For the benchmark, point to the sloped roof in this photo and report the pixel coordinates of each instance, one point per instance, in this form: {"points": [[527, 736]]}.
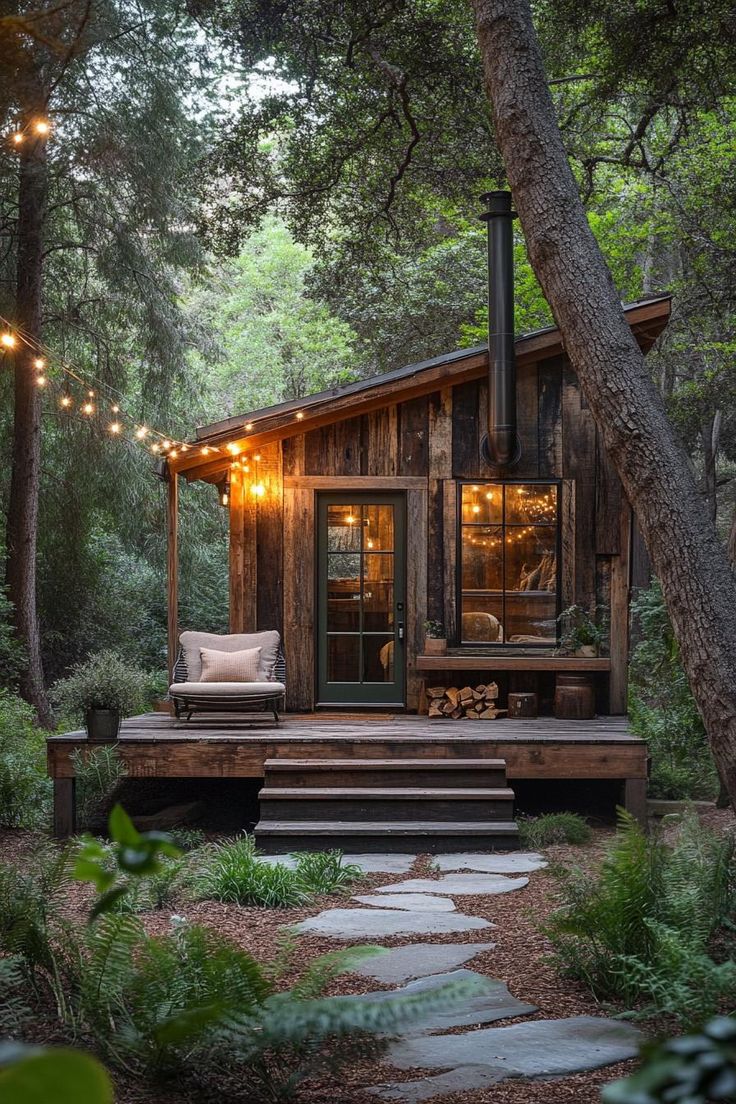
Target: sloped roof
{"points": [[647, 318]]}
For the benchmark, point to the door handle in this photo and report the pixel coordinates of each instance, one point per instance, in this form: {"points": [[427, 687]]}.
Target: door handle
{"points": [[401, 630]]}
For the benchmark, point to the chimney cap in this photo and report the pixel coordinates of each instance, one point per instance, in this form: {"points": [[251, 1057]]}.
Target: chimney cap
{"points": [[498, 204]]}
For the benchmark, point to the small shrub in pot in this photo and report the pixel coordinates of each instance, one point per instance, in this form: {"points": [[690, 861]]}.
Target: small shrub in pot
{"points": [[101, 692], [435, 642]]}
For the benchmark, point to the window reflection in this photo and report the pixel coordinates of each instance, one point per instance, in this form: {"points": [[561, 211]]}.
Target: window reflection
{"points": [[509, 570]]}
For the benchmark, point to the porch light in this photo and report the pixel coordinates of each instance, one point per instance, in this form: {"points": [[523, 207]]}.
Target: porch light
{"points": [[224, 490]]}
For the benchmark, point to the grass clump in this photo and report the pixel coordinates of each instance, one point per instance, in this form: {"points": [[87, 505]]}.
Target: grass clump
{"points": [[233, 872], [642, 930], [542, 831], [25, 789]]}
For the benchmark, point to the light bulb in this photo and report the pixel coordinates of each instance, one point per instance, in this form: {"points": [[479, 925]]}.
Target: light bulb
{"points": [[258, 489], [205, 451], [173, 454], [41, 381], [115, 408], [233, 448], [39, 363], [155, 448], [476, 509], [18, 137], [248, 426], [42, 126], [350, 519], [141, 432], [299, 415], [185, 448], [88, 408], [65, 400], [115, 427], [257, 458], [7, 340], [166, 444]]}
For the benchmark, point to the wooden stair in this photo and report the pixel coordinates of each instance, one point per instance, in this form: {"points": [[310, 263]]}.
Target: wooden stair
{"points": [[398, 804]]}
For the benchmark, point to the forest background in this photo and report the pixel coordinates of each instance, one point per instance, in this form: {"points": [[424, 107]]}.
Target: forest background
{"points": [[246, 203]]}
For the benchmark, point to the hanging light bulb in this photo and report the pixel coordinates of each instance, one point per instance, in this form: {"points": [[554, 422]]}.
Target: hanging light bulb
{"points": [[41, 381], [233, 448], [115, 408], [42, 127], [155, 447], [65, 400], [166, 444], [248, 426], [7, 340], [141, 432], [88, 408], [224, 489], [115, 427], [205, 451], [258, 489], [299, 415], [39, 363], [18, 137]]}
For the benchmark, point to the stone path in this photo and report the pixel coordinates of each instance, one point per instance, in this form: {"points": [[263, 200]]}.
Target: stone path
{"points": [[484, 1055]]}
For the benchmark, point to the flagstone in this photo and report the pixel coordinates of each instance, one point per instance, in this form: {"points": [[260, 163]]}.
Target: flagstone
{"points": [[419, 902], [473, 884], [417, 960], [518, 862], [372, 923]]}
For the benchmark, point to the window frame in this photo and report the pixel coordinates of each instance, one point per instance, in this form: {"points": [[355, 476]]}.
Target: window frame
{"points": [[504, 645]]}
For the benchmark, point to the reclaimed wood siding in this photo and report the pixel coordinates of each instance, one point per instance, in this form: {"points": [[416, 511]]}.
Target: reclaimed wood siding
{"points": [[427, 445]]}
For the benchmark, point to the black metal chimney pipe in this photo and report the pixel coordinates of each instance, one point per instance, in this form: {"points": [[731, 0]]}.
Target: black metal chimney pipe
{"points": [[500, 447]]}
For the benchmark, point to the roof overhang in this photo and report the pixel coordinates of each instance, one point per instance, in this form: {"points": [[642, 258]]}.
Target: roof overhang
{"points": [[210, 454]]}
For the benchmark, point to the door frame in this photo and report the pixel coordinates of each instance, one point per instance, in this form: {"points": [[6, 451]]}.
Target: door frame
{"points": [[347, 494]]}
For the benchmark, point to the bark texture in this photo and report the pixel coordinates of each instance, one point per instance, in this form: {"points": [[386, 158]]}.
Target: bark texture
{"points": [[22, 520], [697, 581]]}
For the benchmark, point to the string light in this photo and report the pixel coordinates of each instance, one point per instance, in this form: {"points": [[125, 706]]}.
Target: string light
{"points": [[7, 340], [115, 427], [206, 451], [65, 400], [248, 426], [233, 448], [18, 137], [88, 408], [41, 381], [115, 408], [42, 127], [258, 489], [299, 415], [141, 432], [39, 363]]}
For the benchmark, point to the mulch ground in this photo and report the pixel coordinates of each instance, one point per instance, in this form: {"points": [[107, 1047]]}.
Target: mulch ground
{"points": [[521, 958]]}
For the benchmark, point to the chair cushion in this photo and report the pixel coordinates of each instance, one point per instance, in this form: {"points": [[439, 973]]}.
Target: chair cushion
{"points": [[192, 643], [230, 666], [227, 689]]}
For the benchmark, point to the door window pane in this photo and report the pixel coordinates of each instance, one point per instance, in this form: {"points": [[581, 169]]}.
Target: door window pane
{"points": [[378, 528], [343, 592], [343, 658], [378, 592], [378, 658], [344, 525]]}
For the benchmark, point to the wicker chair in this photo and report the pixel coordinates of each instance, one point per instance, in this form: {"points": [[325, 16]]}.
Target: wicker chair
{"points": [[227, 697]]}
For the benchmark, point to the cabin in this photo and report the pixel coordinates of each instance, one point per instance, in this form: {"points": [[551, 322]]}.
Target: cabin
{"points": [[471, 489]]}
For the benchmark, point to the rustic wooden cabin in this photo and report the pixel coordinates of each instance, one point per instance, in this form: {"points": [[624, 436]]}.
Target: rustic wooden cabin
{"points": [[471, 489]]}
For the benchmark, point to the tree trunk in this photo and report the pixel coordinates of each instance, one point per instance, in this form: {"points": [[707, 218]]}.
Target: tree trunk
{"points": [[710, 436], [22, 521], [699, 587]]}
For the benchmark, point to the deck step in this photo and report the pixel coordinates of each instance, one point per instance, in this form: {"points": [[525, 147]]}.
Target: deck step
{"points": [[385, 804], [309, 773], [423, 837]]}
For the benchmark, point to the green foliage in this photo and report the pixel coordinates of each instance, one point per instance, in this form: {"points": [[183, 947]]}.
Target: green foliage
{"points": [[662, 708], [579, 629], [551, 828], [25, 789], [233, 872], [692, 1069], [106, 681], [35, 1075], [97, 770], [12, 655], [189, 1004], [640, 930], [434, 629]]}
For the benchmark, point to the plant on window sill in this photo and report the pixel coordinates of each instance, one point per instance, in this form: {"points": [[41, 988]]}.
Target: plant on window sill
{"points": [[435, 641], [582, 634]]}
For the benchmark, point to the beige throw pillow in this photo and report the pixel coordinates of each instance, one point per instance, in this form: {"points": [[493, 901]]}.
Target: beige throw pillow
{"points": [[230, 666]]}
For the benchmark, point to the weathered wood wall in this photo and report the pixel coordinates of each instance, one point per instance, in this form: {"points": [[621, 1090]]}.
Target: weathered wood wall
{"points": [[425, 446]]}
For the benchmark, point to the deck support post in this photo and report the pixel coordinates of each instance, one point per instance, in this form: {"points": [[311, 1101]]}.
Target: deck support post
{"points": [[172, 569], [635, 799], [65, 807]]}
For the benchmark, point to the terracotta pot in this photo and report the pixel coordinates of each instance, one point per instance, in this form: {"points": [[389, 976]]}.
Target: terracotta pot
{"points": [[574, 698], [587, 651], [103, 725], [435, 645]]}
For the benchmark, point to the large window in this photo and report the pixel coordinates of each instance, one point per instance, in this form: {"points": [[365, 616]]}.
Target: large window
{"points": [[509, 563]]}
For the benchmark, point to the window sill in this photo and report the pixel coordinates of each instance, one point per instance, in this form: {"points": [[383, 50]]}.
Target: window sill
{"points": [[459, 659]]}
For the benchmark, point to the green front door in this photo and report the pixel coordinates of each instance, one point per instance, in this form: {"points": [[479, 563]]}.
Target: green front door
{"points": [[361, 565]]}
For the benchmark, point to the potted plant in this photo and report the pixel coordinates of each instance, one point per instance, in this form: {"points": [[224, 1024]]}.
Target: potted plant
{"points": [[435, 641], [581, 635], [101, 692]]}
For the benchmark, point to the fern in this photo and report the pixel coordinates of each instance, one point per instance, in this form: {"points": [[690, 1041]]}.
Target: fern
{"points": [[639, 931]]}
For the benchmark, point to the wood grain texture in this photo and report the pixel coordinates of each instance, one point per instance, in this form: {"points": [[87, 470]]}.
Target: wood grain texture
{"points": [[299, 587], [549, 375], [608, 503], [294, 455], [381, 431], [578, 443], [334, 449], [242, 555], [172, 571], [567, 538], [527, 421], [269, 541], [440, 468], [414, 437], [416, 590], [620, 568], [356, 482], [474, 661], [465, 440]]}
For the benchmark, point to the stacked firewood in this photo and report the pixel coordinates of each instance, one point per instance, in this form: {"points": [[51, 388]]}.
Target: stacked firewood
{"points": [[477, 703]]}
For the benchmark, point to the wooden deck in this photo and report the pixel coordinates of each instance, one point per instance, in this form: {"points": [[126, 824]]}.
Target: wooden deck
{"points": [[155, 745]]}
